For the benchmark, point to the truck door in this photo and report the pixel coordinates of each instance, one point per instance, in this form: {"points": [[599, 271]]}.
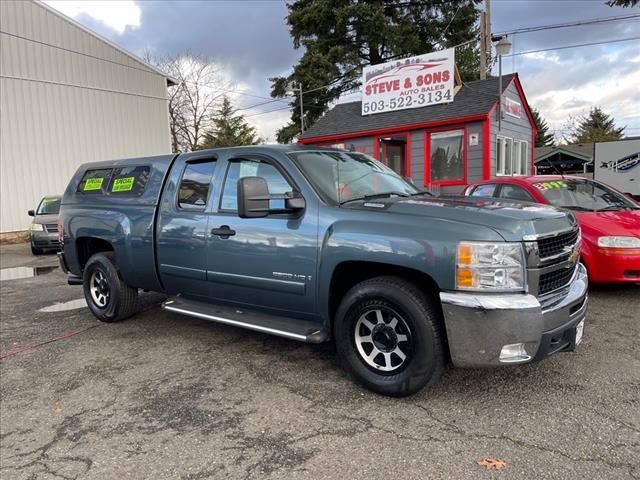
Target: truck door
{"points": [[181, 241], [270, 262]]}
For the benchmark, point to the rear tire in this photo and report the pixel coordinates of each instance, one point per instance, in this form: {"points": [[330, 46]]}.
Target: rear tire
{"points": [[108, 297], [389, 337], [35, 251]]}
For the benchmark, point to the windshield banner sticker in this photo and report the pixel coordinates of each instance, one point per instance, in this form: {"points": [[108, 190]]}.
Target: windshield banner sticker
{"points": [[550, 185], [93, 184], [124, 184]]}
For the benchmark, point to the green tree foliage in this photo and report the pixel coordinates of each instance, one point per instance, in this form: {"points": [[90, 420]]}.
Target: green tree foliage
{"points": [[622, 3], [342, 36], [229, 130], [597, 126], [543, 137]]}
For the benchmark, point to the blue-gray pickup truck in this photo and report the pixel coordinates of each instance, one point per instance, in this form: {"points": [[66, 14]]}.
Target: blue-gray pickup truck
{"points": [[316, 245]]}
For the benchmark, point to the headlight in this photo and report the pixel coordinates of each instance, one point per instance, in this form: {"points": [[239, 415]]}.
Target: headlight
{"points": [[36, 227], [490, 266], [619, 242]]}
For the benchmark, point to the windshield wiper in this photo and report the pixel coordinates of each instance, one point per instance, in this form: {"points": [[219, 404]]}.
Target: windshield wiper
{"points": [[615, 207], [375, 195], [421, 192], [576, 207]]}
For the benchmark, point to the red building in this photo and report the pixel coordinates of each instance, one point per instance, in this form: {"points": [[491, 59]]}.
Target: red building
{"points": [[444, 146]]}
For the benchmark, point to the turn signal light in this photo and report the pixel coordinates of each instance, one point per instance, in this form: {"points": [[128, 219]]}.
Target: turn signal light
{"points": [[464, 277]]}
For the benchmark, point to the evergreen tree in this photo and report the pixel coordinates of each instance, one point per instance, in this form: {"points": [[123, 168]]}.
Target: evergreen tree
{"points": [[597, 126], [342, 36], [543, 137], [229, 130]]}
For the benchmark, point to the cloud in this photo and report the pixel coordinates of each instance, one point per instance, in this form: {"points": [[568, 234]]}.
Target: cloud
{"points": [[250, 40], [568, 82], [115, 15]]}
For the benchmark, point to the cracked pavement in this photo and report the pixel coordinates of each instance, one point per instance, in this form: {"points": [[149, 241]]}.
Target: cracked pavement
{"points": [[166, 396]]}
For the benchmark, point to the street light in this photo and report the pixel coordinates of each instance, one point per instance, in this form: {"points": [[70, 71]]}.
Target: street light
{"points": [[503, 47], [292, 90]]}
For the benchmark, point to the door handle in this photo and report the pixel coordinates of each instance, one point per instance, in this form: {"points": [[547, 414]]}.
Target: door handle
{"points": [[223, 231]]}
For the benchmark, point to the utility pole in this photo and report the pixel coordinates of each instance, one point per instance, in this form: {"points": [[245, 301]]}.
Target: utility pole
{"points": [[483, 47], [485, 39]]}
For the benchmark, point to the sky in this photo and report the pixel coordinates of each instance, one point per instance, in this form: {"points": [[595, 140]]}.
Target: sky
{"points": [[250, 41]]}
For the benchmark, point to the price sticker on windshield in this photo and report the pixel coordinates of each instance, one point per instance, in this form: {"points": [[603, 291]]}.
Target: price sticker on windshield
{"points": [[91, 184], [124, 184], [549, 185]]}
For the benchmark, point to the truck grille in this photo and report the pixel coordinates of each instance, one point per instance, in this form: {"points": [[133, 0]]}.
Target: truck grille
{"points": [[51, 227], [550, 247], [554, 280]]}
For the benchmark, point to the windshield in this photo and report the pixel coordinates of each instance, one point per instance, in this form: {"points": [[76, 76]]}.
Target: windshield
{"points": [[346, 176], [583, 195], [49, 206]]}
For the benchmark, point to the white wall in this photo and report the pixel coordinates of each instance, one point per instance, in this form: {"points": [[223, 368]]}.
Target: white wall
{"points": [[60, 107]]}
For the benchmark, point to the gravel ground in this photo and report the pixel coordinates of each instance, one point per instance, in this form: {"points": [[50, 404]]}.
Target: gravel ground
{"points": [[165, 396]]}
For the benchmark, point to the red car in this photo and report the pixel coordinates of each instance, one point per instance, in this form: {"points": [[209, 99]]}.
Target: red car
{"points": [[609, 220]]}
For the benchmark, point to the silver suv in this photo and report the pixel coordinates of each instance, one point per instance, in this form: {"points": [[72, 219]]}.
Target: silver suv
{"points": [[44, 228]]}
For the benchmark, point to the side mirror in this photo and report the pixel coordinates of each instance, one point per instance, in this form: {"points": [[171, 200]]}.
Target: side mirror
{"points": [[253, 197], [31, 213]]}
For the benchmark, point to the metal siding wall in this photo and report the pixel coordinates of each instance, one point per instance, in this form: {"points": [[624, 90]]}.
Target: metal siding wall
{"points": [[474, 154], [417, 157], [512, 127], [47, 128]]}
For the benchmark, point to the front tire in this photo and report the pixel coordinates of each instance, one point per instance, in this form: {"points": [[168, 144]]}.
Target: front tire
{"points": [[108, 297], [389, 337], [35, 251]]}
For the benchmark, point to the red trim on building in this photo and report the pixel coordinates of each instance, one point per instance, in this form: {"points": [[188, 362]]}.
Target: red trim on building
{"points": [[427, 156], [376, 147], [398, 129]]}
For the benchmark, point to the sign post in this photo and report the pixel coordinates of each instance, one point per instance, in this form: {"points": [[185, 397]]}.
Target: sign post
{"points": [[408, 83]]}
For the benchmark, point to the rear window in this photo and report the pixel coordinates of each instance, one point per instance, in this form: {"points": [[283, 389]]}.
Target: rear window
{"points": [[129, 180], [484, 190], [115, 181], [95, 181]]}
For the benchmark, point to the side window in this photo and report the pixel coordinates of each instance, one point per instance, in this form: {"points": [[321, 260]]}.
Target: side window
{"points": [[484, 190], [513, 192], [238, 169], [129, 180], [195, 185], [95, 181]]}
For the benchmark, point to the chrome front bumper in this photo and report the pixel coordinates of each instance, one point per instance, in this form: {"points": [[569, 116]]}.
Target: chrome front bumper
{"points": [[479, 325]]}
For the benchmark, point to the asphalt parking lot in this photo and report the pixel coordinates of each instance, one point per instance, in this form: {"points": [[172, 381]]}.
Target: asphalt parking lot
{"points": [[166, 396]]}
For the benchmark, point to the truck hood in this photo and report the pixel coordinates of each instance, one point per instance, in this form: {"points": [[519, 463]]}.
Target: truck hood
{"points": [[514, 221]]}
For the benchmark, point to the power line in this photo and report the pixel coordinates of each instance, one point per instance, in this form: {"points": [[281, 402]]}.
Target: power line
{"points": [[268, 111], [571, 24], [572, 46]]}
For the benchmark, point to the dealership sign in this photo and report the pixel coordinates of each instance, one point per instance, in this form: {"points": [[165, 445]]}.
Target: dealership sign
{"points": [[408, 83]]}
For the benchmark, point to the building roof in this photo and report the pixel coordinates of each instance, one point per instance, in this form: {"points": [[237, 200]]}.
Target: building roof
{"points": [[473, 98], [170, 80], [580, 151]]}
